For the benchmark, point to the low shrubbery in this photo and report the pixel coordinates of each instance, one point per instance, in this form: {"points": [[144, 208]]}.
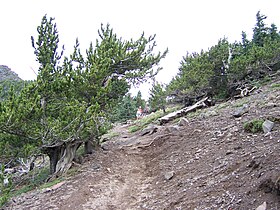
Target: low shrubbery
{"points": [[254, 126]]}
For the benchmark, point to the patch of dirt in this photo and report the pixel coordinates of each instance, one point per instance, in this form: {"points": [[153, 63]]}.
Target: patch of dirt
{"points": [[211, 163]]}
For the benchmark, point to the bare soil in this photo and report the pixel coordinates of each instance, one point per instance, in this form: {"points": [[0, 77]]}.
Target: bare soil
{"points": [[210, 163]]}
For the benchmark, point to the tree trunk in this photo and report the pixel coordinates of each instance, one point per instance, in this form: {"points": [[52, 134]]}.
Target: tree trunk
{"points": [[67, 154], [61, 156], [53, 153], [89, 147]]}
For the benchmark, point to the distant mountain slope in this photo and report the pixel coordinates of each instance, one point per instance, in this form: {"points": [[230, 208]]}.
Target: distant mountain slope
{"points": [[8, 78], [7, 74]]}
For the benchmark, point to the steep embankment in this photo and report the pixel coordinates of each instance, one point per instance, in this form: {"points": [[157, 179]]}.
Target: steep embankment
{"points": [[208, 163]]}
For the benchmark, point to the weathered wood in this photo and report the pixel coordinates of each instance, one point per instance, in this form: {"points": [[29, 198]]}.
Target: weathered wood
{"points": [[200, 104]]}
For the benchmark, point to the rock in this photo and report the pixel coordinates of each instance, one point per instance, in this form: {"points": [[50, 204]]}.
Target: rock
{"points": [[46, 190], [240, 111], [105, 146], [96, 166], [172, 129], [169, 175], [267, 126], [229, 152], [183, 122], [149, 130], [262, 207]]}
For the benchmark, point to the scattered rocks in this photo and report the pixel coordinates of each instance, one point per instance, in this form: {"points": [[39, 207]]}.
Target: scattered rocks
{"points": [[240, 111], [267, 126]]}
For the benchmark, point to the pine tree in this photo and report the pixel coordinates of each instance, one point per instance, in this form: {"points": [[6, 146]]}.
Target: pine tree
{"points": [[139, 101], [157, 98], [260, 30], [68, 104]]}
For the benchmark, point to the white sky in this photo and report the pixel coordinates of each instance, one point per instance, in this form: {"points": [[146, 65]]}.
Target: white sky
{"points": [[180, 25]]}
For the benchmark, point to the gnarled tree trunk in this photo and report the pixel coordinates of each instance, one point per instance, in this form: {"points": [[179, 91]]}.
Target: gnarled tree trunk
{"points": [[61, 156], [67, 155]]}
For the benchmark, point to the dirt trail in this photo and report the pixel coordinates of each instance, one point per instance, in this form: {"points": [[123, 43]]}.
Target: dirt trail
{"points": [[113, 179], [210, 163]]}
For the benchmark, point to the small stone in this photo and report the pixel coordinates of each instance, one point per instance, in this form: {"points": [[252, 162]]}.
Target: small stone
{"points": [[105, 146], [262, 207], [149, 130], [169, 175], [240, 111], [46, 190], [237, 147], [267, 126], [183, 122], [229, 152], [172, 129], [96, 166]]}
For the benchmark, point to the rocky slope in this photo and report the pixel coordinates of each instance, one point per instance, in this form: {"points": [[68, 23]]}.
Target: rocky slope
{"points": [[208, 162]]}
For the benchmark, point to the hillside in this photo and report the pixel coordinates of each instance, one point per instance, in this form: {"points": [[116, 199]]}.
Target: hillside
{"points": [[7, 74], [211, 162], [9, 79]]}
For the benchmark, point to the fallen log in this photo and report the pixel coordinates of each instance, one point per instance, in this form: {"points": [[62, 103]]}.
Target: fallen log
{"points": [[200, 104]]}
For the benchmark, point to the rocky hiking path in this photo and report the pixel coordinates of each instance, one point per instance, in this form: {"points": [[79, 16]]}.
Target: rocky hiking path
{"points": [[114, 178], [207, 162]]}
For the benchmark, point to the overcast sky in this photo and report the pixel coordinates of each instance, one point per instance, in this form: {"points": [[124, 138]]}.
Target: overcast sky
{"points": [[180, 25]]}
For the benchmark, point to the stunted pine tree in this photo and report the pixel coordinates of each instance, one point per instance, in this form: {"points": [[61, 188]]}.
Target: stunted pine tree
{"points": [[68, 103]]}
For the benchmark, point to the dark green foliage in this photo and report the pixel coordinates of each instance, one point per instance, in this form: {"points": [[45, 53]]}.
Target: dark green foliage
{"points": [[220, 58], [10, 85], [125, 109], [157, 98], [225, 66], [204, 72], [139, 101], [260, 30]]}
